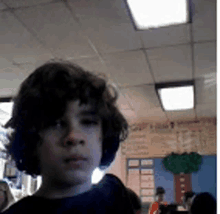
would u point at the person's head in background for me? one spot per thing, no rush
(135, 201)
(6, 196)
(66, 123)
(160, 192)
(188, 198)
(204, 203)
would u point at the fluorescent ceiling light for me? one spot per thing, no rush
(5, 111)
(177, 98)
(157, 13)
(97, 175)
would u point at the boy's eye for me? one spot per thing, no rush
(89, 122)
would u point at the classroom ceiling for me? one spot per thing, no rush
(99, 35)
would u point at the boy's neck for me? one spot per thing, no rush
(51, 192)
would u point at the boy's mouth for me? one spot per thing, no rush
(75, 162)
(75, 158)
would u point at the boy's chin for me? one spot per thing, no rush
(78, 178)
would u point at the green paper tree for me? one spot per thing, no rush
(186, 163)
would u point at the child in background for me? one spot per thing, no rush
(155, 206)
(66, 124)
(188, 199)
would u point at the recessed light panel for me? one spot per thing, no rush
(5, 111)
(177, 98)
(158, 13)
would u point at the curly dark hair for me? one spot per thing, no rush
(42, 99)
(160, 190)
(204, 203)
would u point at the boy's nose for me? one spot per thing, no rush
(73, 139)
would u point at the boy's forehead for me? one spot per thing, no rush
(81, 108)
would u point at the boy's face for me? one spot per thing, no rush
(72, 148)
(160, 197)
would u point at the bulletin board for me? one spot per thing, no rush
(140, 178)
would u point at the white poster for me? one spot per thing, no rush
(133, 163)
(147, 171)
(147, 199)
(147, 177)
(147, 162)
(147, 192)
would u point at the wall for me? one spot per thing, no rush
(165, 179)
(202, 181)
(205, 179)
(158, 140)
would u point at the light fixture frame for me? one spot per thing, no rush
(190, 14)
(5, 99)
(173, 85)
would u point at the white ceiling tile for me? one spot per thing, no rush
(11, 76)
(7, 92)
(10, 82)
(55, 26)
(24, 3)
(17, 44)
(107, 24)
(142, 97)
(205, 59)
(27, 69)
(111, 38)
(8, 71)
(204, 20)
(181, 115)
(152, 115)
(130, 115)
(123, 103)
(172, 35)
(112, 11)
(3, 6)
(93, 64)
(171, 63)
(129, 68)
(206, 110)
(205, 91)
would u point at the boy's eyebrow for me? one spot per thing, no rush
(88, 113)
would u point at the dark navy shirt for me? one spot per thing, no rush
(109, 196)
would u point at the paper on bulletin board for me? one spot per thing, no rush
(133, 181)
(149, 184)
(133, 163)
(147, 177)
(147, 199)
(147, 192)
(147, 162)
(133, 172)
(147, 171)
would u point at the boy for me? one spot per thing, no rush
(188, 199)
(66, 124)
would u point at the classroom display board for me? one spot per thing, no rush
(148, 140)
(140, 178)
